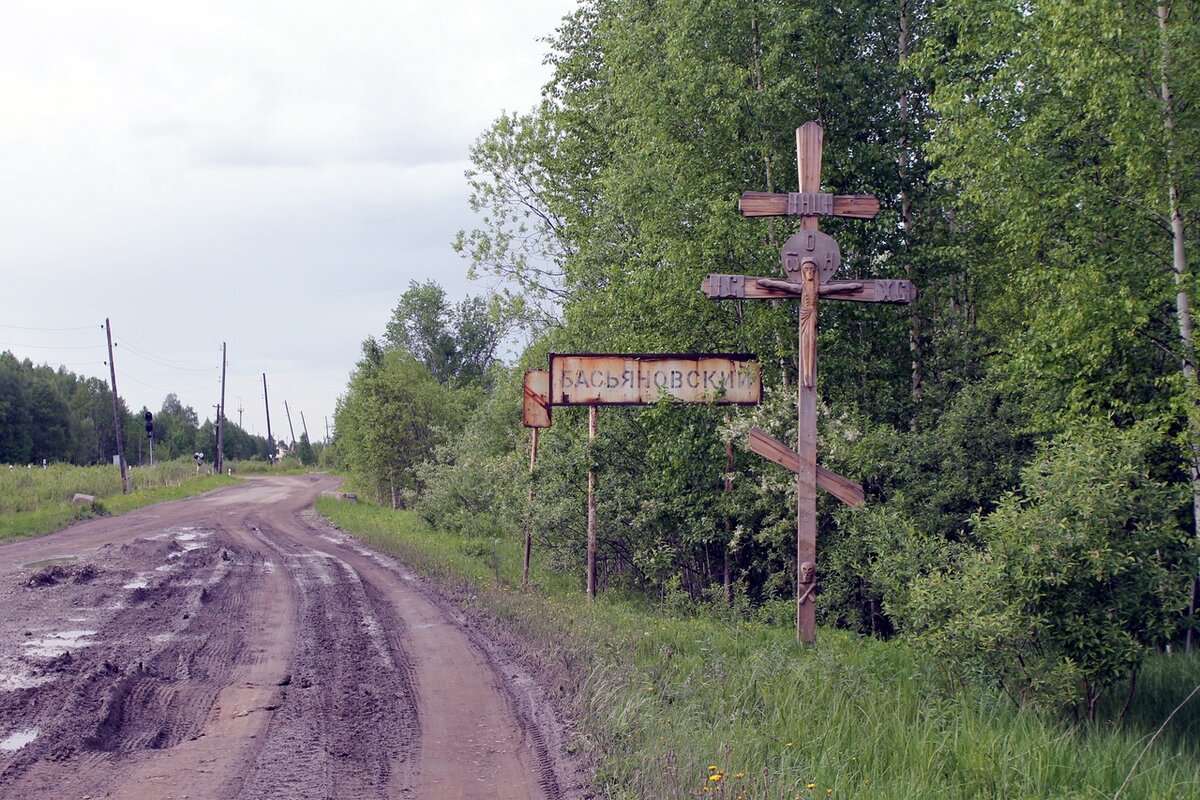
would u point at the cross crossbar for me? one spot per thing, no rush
(770, 448)
(719, 286)
(802, 204)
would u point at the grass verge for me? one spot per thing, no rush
(700, 706)
(51, 512)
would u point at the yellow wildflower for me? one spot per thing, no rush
(811, 786)
(712, 767)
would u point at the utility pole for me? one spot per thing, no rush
(326, 430)
(304, 427)
(291, 430)
(240, 410)
(220, 458)
(270, 439)
(112, 367)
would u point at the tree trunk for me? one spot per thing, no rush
(756, 61)
(727, 576)
(1182, 299)
(904, 167)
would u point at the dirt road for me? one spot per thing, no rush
(230, 646)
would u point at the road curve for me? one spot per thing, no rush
(231, 646)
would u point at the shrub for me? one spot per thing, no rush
(1079, 574)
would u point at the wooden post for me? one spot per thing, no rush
(112, 366)
(533, 445)
(727, 571)
(809, 140)
(220, 458)
(270, 439)
(591, 505)
(291, 430)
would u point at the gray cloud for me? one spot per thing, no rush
(260, 174)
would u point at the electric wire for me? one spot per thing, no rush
(152, 356)
(176, 392)
(49, 330)
(55, 347)
(127, 348)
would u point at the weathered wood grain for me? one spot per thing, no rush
(770, 448)
(768, 204)
(719, 286)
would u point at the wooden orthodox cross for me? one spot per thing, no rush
(810, 259)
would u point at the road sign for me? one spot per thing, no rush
(535, 409)
(590, 379)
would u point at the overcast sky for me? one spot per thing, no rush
(267, 174)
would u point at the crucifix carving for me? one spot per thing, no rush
(810, 260)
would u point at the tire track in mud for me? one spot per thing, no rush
(236, 646)
(114, 693)
(347, 723)
(543, 737)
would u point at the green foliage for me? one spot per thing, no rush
(457, 344)
(305, 451)
(57, 416)
(477, 484)
(1027, 186)
(36, 501)
(1061, 158)
(1078, 576)
(392, 418)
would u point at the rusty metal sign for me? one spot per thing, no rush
(535, 410)
(591, 379)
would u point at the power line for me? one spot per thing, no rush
(55, 347)
(129, 348)
(49, 330)
(146, 354)
(160, 389)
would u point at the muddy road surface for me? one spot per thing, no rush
(233, 646)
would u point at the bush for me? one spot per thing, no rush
(1078, 576)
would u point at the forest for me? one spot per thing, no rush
(55, 416)
(1027, 431)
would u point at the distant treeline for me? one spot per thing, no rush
(57, 416)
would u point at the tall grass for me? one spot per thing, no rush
(35, 501)
(669, 702)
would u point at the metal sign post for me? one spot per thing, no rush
(810, 260)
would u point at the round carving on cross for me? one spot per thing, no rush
(821, 248)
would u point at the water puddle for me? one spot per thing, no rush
(17, 740)
(50, 562)
(188, 538)
(15, 683)
(56, 644)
